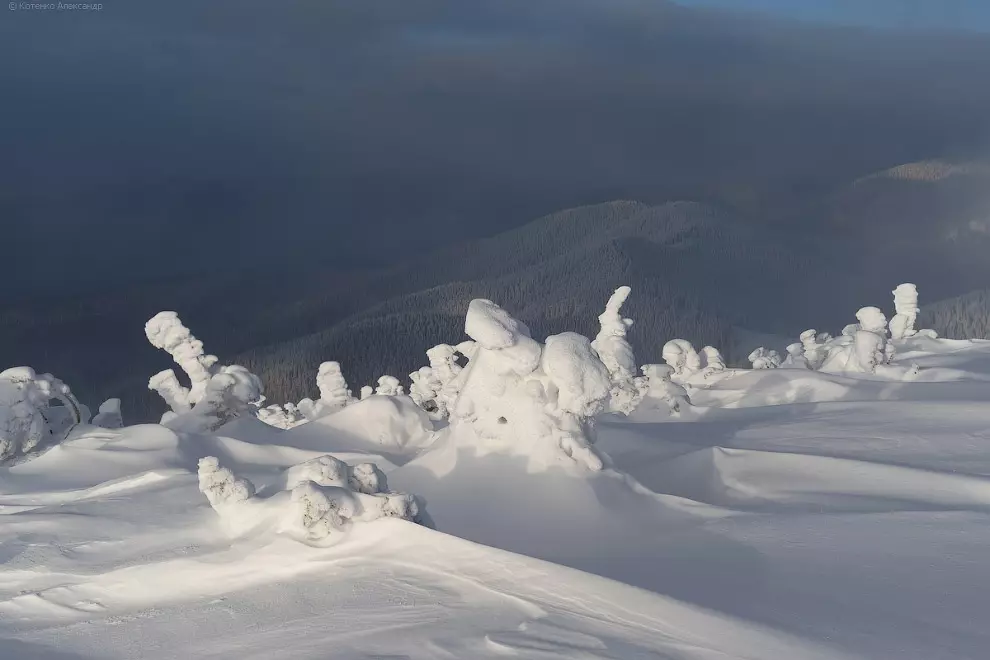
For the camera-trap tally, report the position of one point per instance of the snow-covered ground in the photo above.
(789, 515)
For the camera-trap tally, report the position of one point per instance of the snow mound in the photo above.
(392, 426)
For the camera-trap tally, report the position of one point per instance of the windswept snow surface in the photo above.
(788, 515)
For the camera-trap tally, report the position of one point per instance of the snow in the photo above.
(794, 514)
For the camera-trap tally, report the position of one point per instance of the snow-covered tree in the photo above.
(388, 386)
(906, 306)
(763, 358)
(442, 380)
(334, 392)
(815, 349)
(660, 388)
(795, 357)
(712, 361)
(850, 330)
(682, 358)
(283, 416)
(109, 416)
(366, 391)
(216, 394)
(166, 331)
(27, 417)
(220, 485)
(524, 398)
(617, 354)
(425, 391)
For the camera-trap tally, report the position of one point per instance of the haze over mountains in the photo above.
(335, 179)
(699, 271)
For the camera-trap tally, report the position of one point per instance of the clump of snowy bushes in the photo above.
(660, 388)
(27, 417)
(529, 398)
(216, 395)
(314, 502)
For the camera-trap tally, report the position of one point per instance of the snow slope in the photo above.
(790, 515)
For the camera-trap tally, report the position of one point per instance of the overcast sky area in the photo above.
(972, 15)
(154, 139)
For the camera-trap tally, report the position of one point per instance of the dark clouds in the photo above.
(145, 139)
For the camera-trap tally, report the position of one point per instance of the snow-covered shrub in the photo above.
(870, 347)
(388, 386)
(906, 308)
(617, 354)
(425, 391)
(285, 416)
(27, 417)
(795, 357)
(712, 361)
(109, 416)
(682, 358)
(220, 485)
(521, 397)
(315, 500)
(166, 331)
(216, 394)
(872, 319)
(334, 392)
(443, 378)
(366, 391)
(815, 349)
(660, 388)
(763, 358)
(230, 393)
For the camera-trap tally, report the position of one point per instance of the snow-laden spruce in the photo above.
(283, 416)
(216, 395)
(764, 358)
(314, 502)
(907, 310)
(712, 362)
(660, 390)
(684, 361)
(334, 393)
(519, 396)
(389, 386)
(616, 353)
(27, 416)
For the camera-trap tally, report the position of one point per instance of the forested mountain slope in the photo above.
(697, 270)
(683, 259)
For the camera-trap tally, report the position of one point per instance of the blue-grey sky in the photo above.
(910, 14)
(155, 137)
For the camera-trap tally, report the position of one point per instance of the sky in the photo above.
(896, 14)
(151, 139)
